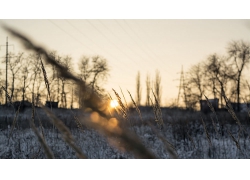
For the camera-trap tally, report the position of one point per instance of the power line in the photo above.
(132, 39)
(141, 39)
(75, 39)
(110, 41)
(120, 40)
(148, 49)
(71, 35)
(89, 39)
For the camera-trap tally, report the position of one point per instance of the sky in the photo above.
(205, 38)
(133, 36)
(131, 46)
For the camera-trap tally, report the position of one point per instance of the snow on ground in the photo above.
(187, 136)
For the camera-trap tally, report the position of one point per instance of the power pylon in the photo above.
(182, 88)
(6, 81)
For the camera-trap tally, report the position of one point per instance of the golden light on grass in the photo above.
(114, 103)
(94, 117)
(113, 122)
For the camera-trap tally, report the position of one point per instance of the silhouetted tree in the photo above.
(219, 73)
(138, 89)
(195, 84)
(157, 86)
(148, 87)
(66, 61)
(239, 52)
(93, 71)
(15, 63)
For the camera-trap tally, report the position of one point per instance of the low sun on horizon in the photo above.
(114, 103)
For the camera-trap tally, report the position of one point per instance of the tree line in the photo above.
(213, 77)
(26, 78)
(219, 75)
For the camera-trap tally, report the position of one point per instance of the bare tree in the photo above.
(219, 73)
(195, 82)
(239, 51)
(94, 72)
(148, 87)
(66, 61)
(190, 98)
(157, 86)
(24, 77)
(54, 79)
(36, 76)
(14, 66)
(138, 89)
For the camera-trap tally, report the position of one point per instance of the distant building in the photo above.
(23, 105)
(51, 104)
(243, 106)
(205, 108)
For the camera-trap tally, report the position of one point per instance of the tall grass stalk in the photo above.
(214, 126)
(46, 148)
(212, 109)
(67, 136)
(93, 102)
(207, 134)
(45, 80)
(136, 107)
(157, 112)
(14, 122)
(124, 100)
(8, 96)
(121, 105)
(231, 111)
(191, 139)
(78, 122)
(33, 115)
(168, 146)
(122, 136)
(237, 143)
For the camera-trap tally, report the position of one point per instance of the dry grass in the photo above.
(45, 80)
(157, 112)
(231, 111)
(212, 109)
(93, 102)
(49, 154)
(136, 107)
(191, 139)
(207, 134)
(235, 141)
(214, 126)
(124, 100)
(168, 146)
(122, 138)
(66, 134)
(100, 119)
(121, 105)
(8, 96)
(14, 122)
(78, 122)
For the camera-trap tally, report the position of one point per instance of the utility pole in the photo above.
(6, 81)
(181, 87)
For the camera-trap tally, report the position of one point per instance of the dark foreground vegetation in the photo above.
(97, 131)
(187, 134)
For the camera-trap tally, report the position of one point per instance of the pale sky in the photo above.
(134, 45)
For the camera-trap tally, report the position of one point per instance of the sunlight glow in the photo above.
(114, 103)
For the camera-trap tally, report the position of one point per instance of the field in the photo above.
(97, 131)
(183, 131)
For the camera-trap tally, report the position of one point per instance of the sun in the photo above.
(114, 103)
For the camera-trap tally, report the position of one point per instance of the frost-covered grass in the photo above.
(184, 130)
